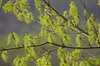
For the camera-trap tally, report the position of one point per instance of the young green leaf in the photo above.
(49, 38)
(85, 12)
(8, 8)
(27, 41)
(38, 5)
(5, 56)
(82, 64)
(23, 62)
(98, 3)
(0, 3)
(16, 38)
(53, 13)
(35, 40)
(78, 40)
(65, 14)
(16, 61)
(9, 38)
(91, 38)
(61, 52)
(73, 12)
(43, 61)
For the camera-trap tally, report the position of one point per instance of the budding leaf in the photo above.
(5, 56)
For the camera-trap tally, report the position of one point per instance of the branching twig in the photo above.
(55, 10)
(50, 51)
(80, 30)
(85, 7)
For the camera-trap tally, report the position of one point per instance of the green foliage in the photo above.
(90, 23)
(9, 38)
(65, 14)
(16, 39)
(31, 51)
(62, 31)
(61, 52)
(23, 62)
(66, 39)
(73, 12)
(46, 10)
(82, 64)
(0, 3)
(76, 54)
(98, 39)
(93, 61)
(27, 40)
(19, 9)
(35, 40)
(78, 40)
(20, 61)
(44, 60)
(98, 3)
(8, 8)
(50, 38)
(85, 12)
(53, 13)
(5, 56)
(38, 5)
(16, 61)
(22, 16)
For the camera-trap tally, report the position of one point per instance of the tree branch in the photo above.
(55, 44)
(20, 47)
(73, 47)
(80, 30)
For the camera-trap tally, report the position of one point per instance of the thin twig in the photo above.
(50, 51)
(85, 59)
(55, 10)
(83, 4)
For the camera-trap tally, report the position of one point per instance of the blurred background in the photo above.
(9, 23)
